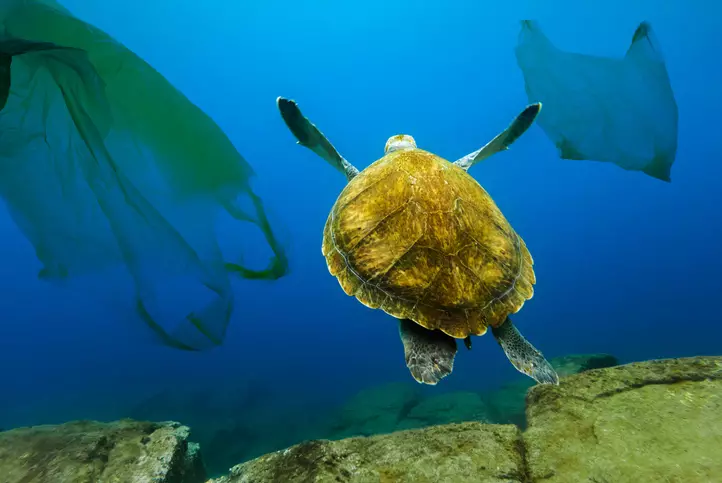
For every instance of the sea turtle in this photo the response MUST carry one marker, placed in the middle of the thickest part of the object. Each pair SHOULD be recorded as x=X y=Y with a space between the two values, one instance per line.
x=418 y=237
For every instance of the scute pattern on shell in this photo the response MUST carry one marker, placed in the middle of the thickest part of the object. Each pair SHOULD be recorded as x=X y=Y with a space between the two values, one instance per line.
x=419 y=238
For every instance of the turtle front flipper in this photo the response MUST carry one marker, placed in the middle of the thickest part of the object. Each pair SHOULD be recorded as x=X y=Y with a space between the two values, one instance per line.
x=524 y=356
x=429 y=353
x=502 y=141
x=309 y=136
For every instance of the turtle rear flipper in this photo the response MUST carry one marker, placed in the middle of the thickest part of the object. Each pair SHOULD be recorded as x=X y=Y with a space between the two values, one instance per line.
x=429 y=353
x=309 y=136
x=524 y=356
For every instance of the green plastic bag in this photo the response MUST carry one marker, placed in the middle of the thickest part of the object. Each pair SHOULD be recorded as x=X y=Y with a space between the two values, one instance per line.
x=102 y=161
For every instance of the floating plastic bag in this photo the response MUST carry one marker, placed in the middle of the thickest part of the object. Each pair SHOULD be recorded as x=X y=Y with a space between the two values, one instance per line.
x=102 y=161
x=621 y=110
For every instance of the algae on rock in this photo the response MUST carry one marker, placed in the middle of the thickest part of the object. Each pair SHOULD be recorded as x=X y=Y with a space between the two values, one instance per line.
x=648 y=421
x=91 y=452
x=468 y=452
x=507 y=403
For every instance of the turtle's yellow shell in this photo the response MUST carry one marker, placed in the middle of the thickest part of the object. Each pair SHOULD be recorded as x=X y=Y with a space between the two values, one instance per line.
x=418 y=237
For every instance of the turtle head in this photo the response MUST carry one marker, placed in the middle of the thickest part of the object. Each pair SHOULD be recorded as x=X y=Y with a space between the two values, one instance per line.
x=398 y=142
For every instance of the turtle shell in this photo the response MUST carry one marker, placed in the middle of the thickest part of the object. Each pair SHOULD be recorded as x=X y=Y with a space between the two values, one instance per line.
x=419 y=238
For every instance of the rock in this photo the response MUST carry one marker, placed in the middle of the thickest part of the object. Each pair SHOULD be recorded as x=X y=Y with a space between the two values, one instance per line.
x=507 y=404
x=376 y=410
x=256 y=433
x=649 y=421
x=234 y=422
x=450 y=407
x=400 y=406
x=468 y=452
x=576 y=363
x=91 y=452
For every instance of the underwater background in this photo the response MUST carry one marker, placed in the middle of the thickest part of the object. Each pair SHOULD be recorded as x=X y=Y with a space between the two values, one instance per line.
x=626 y=264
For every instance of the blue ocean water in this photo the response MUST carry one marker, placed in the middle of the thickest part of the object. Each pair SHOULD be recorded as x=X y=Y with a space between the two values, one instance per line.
x=626 y=264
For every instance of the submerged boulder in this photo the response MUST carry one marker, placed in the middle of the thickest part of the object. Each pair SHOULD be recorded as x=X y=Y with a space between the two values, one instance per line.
x=468 y=452
x=576 y=363
x=376 y=410
x=234 y=421
x=450 y=407
x=507 y=404
x=648 y=421
x=91 y=452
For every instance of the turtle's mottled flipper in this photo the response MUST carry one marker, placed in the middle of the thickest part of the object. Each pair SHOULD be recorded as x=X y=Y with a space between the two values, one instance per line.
x=523 y=355
x=309 y=136
x=429 y=353
x=501 y=142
